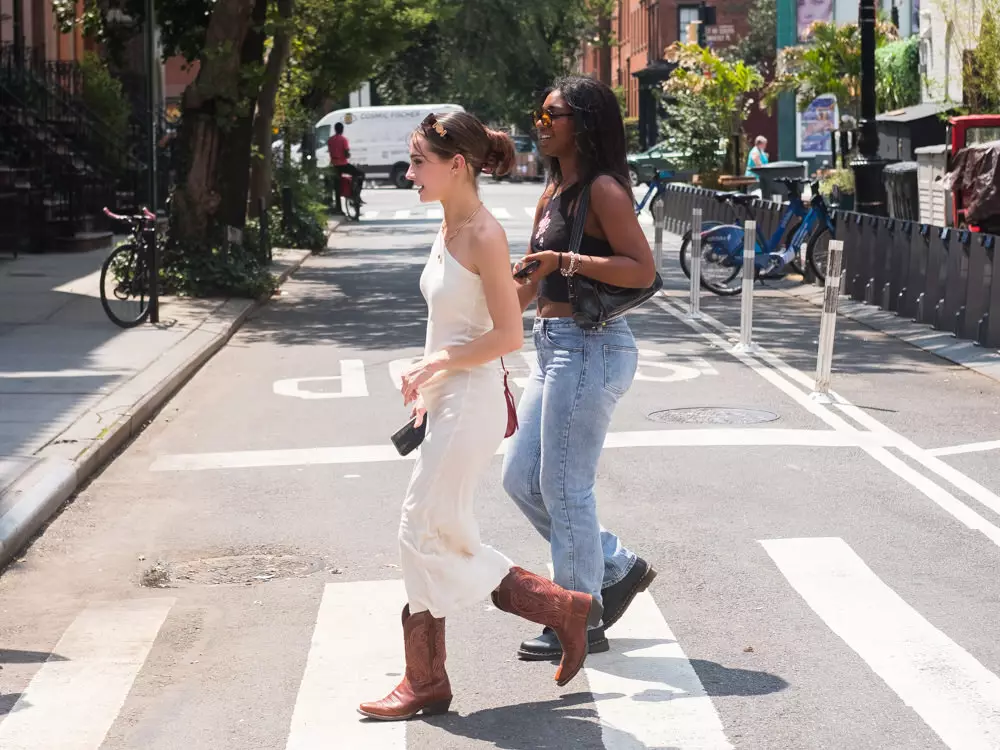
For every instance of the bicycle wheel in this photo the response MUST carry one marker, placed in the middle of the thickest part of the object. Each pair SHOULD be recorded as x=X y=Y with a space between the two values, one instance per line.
x=818 y=251
x=685 y=254
x=786 y=242
x=125 y=286
x=722 y=267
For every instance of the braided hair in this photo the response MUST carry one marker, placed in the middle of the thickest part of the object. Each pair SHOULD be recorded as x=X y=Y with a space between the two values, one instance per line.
x=599 y=130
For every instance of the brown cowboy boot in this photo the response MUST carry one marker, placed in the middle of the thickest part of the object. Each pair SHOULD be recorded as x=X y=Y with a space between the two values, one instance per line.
x=568 y=613
x=425 y=685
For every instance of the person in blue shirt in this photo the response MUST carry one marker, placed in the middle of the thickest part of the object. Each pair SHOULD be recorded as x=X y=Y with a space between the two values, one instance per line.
x=757 y=156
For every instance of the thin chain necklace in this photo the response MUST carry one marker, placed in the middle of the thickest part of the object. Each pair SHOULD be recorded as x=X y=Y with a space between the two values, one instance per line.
x=462 y=225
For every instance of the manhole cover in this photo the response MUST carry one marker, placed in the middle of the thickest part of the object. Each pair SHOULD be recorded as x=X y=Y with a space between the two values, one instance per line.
x=712 y=415
x=245 y=569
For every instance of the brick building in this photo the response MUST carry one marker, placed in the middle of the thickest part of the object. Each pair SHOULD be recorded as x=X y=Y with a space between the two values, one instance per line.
x=643 y=29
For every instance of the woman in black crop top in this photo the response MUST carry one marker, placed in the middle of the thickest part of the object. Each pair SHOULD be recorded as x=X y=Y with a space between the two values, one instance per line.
x=551 y=464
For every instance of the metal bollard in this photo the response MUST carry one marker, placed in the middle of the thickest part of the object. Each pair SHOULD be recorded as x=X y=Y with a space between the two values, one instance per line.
x=746 y=313
x=659 y=220
x=695 y=310
x=828 y=323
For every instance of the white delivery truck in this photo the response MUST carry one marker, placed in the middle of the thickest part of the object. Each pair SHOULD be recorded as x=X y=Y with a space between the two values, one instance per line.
x=379 y=137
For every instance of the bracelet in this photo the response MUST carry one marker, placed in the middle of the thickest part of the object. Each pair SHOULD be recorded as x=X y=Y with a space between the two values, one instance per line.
x=574 y=265
x=560 y=260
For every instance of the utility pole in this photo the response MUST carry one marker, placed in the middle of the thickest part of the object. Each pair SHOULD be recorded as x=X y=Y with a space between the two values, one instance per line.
x=868 y=188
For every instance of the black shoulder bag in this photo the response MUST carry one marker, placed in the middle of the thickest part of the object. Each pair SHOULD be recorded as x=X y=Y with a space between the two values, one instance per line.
x=594 y=302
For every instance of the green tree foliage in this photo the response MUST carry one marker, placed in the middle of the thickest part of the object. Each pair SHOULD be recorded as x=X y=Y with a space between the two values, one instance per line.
x=495 y=58
x=829 y=63
x=897 y=83
x=712 y=98
x=981 y=67
x=760 y=46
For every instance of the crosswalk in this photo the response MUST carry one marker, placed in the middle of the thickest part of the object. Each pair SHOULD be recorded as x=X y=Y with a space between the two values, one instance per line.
x=502 y=213
x=646 y=692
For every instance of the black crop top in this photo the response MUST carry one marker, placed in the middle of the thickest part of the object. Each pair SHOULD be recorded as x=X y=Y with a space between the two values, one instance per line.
x=554 y=229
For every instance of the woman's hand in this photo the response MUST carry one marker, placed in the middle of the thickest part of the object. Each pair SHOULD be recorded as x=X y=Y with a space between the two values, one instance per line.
x=419 y=411
x=418 y=374
x=549 y=261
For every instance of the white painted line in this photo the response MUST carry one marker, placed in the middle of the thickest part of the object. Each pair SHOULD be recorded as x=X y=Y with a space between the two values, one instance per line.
x=945 y=500
x=370 y=215
x=957 y=450
x=662 y=702
x=645 y=218
x=501 y=213
x=947 y=687
x=352 y=383
x=73 y=700
x=530 y=211
x=435 y=213
x=402 y=214
x=40 y=374
x=353 y=454
x=356 y=655
x=676 y=372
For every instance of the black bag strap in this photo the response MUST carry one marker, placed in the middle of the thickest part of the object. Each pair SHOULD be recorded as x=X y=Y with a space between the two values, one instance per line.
x=579 y=220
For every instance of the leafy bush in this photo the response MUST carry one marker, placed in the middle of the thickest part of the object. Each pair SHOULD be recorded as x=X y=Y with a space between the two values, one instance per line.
x=306 y=227
x=841 y=179
x=216 y=270
x=104 y=94
x=897 y=83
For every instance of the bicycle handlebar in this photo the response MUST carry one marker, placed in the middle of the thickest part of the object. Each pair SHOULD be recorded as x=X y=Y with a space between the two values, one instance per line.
x=146 y=215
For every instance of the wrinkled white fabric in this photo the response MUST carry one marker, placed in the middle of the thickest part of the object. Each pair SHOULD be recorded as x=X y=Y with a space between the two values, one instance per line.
x=445 y=565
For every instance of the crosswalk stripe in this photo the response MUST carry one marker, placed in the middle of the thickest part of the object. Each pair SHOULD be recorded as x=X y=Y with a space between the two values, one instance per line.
x=501 y=213
x=947 y=687
x=362 y=454
x=356 y=648
x=73 y=700
x=656 y=665
x=402 y=214
x=435 y=213
x=370 y=215
x=530 y=211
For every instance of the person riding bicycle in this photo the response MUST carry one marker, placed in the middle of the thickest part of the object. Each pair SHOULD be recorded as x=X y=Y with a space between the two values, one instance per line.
x=340 y=153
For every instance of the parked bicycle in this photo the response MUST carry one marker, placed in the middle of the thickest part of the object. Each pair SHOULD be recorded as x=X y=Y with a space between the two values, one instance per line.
x=722 y=244
x=126 y=276
x=657 y=191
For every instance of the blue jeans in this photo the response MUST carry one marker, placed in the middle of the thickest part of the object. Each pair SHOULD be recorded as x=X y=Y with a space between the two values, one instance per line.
x=551 y=463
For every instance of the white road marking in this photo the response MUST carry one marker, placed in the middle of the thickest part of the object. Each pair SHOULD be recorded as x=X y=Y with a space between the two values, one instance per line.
x=370 y=215
x=677 y=372
x=501 y=213
x=356 y=655
x=357 y=454
x=73 y=700
x=352 y=383
x=645 y=218
x=435 y=213
x=650 y=679
x=947 y=687
x=956 y=450
x=530 y=211
x=943 y=499
x=402 y=214
x=396 y=369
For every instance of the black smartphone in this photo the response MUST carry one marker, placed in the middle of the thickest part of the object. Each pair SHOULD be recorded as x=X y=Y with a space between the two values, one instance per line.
x=527 y=270
x=408 y=438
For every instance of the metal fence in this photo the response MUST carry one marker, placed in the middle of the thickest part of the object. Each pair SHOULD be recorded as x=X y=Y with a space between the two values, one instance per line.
x=940 y=276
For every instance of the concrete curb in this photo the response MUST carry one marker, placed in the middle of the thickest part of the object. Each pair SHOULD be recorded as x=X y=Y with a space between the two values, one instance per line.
x=62 y=466
x=939 y=343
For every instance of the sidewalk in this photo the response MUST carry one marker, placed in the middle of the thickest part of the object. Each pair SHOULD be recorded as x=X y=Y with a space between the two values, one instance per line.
x=74 y=387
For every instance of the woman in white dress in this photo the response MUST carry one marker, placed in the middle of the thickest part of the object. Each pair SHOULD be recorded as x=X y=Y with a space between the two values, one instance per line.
x=474 y=318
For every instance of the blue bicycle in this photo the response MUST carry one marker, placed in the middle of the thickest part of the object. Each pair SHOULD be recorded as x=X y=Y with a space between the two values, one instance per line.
x=722 y=244
x=657 y=190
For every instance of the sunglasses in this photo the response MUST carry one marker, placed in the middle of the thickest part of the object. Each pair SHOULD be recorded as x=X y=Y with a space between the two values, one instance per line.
x=545 y=118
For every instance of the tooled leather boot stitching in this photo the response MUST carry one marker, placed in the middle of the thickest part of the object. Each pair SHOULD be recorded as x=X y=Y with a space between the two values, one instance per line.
x=568 y=613
x=425 y=686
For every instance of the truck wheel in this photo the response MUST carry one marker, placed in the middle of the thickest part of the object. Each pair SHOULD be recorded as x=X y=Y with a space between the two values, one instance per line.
x=399 y=178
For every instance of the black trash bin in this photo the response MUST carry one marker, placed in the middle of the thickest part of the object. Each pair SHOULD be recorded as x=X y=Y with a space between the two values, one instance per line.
x=901 y=190
x=770 y=172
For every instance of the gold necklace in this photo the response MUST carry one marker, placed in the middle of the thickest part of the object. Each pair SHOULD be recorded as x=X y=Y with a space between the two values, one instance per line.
x=462 y=225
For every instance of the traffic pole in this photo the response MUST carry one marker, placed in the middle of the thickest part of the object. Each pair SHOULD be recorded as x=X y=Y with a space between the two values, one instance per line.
x=746 y=311
x=828 y=323
x=694 y=312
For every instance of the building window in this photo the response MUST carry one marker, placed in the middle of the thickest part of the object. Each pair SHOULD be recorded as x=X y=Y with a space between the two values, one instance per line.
x=686 y=15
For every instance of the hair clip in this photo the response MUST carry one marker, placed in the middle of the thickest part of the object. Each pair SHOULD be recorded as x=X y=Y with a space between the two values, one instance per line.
x=432 y=121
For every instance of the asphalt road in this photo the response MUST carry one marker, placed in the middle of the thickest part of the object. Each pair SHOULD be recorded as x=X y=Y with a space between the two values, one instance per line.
x=828 y=577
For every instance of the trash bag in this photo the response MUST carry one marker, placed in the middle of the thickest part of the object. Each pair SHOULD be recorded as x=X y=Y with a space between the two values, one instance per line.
x=976 y=173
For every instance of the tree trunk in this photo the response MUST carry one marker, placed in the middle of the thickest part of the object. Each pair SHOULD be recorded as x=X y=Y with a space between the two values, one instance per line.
x=260 y=172
x=198 y=196
x=234 y=175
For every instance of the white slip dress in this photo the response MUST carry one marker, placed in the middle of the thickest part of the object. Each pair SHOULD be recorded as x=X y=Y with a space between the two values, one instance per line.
x=445 y=565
